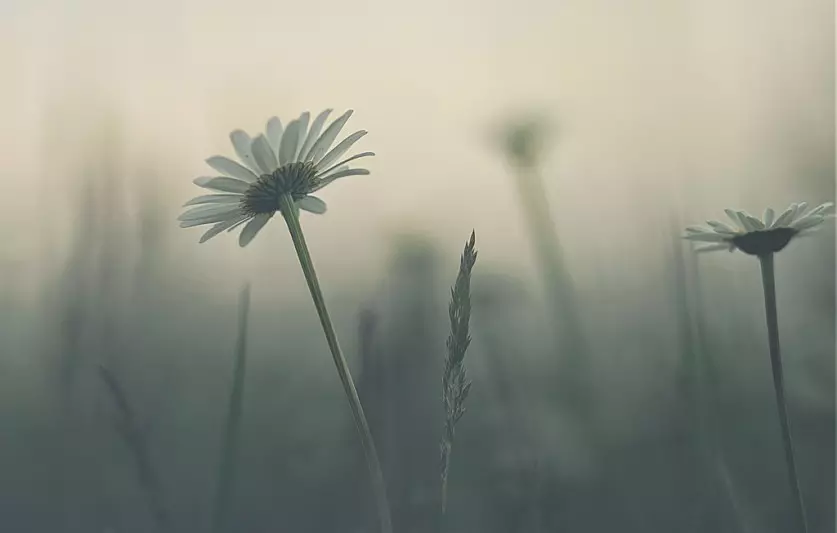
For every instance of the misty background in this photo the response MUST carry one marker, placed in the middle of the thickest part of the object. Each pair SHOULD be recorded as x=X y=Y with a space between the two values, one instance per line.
x=663 y=113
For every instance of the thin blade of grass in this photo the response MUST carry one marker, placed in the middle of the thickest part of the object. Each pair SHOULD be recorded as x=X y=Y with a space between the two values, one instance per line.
x=135 y=439
x=229 y=445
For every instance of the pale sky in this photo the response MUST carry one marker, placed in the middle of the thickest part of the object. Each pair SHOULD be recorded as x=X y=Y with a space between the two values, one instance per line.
x=654 y=98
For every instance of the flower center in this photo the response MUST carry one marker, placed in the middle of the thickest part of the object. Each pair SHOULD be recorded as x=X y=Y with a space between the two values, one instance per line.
x=763 y=242
x=296 y=179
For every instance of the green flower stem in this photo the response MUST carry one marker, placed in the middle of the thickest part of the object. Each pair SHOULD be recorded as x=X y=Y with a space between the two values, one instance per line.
x=291 y=215
x=769 y=282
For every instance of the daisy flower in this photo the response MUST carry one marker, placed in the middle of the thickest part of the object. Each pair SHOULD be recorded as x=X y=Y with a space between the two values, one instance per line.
x=763 y=236
x=278 y=171
x=294 y=161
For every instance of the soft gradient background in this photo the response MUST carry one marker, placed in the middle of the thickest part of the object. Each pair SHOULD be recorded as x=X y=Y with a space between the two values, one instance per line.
x=720 y=102
x=663 y=110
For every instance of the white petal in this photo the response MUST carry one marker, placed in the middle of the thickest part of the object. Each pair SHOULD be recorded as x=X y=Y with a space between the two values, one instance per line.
x=755 y=222
x=202 y=211
x=807 y=222
x=230 y=168
x=221 y=226
x=253 y=227
x=322 y=144
x=711 y=247
x=799 y=219
x=264 y=155
x=290 y=140
x=214 y=199
x=241 y=142
x=211 y=218
x=304 y=119
x=734 y=217
x=823 y=209
x=784 y=218
x=237 y=224
x=341 y=148
x=273 y=129
x=800 y=208
x=794 y=214
x=697 y=229
x=316 y=128
x=706 y=237
x=322 y=182
x=768 y=217
x=223 y=184
x=312 y=204
x=341 y=163
x=744 y=219
x=334 y=170
x=720 y=227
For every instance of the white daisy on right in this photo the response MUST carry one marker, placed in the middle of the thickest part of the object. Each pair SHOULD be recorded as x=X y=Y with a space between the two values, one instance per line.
x=763 y=238
x=756 y=236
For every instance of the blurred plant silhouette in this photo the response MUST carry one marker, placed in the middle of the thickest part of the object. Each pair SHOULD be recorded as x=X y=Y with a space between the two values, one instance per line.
x=524 y=140
x=129 y=331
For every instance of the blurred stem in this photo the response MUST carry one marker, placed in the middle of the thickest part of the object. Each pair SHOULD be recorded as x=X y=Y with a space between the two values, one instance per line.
x=227 y=464
x=547 y=246
x=291 y=215
x=698 y=454
x=134 y=437
x=769 y=283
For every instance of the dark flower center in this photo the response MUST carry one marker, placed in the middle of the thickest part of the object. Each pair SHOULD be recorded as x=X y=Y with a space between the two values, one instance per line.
x=296 y=179
x=764 y=242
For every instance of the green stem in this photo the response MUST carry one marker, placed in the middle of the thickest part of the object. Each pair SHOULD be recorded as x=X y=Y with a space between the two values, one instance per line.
x=291 y=215
x=769 y=282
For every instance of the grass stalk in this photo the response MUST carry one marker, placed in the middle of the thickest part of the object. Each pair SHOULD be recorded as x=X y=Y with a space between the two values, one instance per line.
x=135 y=439
x=455 y=383
x=229 y=445
x=291 y=215
x=769 y=284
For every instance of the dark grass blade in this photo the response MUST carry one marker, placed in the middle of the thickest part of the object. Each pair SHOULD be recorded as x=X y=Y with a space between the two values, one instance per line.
x=229 y=445
x=129 y=428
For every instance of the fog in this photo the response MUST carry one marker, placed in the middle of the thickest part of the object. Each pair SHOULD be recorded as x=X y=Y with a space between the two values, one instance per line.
x=660 y=114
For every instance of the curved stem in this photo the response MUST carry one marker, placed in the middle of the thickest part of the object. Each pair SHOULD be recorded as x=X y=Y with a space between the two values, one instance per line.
x=769 y=283
x=291 y=216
